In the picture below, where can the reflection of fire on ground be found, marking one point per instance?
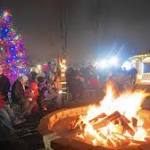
(115, 123)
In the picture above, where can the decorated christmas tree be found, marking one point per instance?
(12, 51)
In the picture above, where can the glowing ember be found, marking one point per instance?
(115, 122)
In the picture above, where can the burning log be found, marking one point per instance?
(125, 119)
(128, 140)
(126, 125)
(80, 124)
(134, 122)
(116, 116)
(122, 141)
(113, 142)
(125, 140)
(102, 115)
(110, 142)
(116, 142)
(102, 135)
(107, 120)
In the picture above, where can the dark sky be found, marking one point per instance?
(94, 28)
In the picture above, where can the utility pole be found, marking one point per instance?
(64, 14)
(63, 21)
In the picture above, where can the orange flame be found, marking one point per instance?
(128, 104)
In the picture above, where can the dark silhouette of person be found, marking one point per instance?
(4, 84)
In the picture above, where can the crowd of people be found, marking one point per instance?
(27, 95)
(81, 80)
(84, 80)
(37, 93)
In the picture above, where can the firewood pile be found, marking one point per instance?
(48, 123)
(116, 139)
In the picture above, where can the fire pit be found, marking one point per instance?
(116, 123)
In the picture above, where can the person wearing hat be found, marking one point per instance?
(18, 92)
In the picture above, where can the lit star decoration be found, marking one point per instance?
(12, 51)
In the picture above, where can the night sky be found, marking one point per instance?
(91, 29)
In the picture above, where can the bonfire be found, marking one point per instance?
(114, 122)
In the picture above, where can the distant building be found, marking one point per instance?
(142, 64)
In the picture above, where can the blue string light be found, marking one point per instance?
(13, 45)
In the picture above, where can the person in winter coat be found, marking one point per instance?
(33, 91)
(18, 90)
(4, 84)
(20, 96)
(7, 115)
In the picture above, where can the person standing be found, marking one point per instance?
(18, 90)
(4, 84)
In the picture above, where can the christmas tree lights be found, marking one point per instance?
(12, 51)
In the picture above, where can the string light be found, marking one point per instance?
(5, 14)
(13, 60)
